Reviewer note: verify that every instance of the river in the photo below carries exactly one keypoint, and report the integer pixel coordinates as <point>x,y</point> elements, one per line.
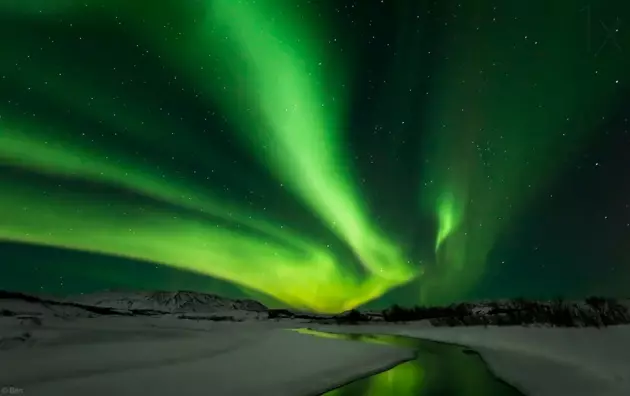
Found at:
<point>439,369</point>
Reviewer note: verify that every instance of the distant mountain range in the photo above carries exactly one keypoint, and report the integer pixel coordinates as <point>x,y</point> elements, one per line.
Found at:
<point>166,301</point>
<point>593,311</point>
<point>122,304</point>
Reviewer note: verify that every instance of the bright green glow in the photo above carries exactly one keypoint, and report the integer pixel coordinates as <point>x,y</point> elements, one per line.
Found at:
<point>311,279</point>
<point>436,369</point>
<point>291,125</point>
<point>449,217</point>
<point>27,147</point>
<point>296,128</point>
<point>404,379</point>
<point>272,82</point>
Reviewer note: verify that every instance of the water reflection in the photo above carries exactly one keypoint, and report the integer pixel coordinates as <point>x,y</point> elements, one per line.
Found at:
<point>438,370</point>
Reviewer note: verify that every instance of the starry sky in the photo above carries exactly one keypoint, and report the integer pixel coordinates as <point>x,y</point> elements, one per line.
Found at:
<point>317,155</point>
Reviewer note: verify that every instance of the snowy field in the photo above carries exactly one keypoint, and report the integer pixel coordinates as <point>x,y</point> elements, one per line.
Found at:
<point>161,357</point>
<point>55,349</point>
<point>538,361</point>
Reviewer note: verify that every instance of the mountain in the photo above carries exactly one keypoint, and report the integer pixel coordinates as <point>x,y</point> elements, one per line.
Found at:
<point>167,301</point>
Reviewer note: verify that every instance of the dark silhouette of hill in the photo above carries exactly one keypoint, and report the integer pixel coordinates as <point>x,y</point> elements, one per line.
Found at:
<point>592,312</point>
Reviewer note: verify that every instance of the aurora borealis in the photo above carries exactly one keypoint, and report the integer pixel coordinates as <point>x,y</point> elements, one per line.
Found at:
<point>319,156</point>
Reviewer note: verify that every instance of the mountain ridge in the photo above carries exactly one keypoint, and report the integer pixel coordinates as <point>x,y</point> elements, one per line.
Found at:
<point>167,301</point>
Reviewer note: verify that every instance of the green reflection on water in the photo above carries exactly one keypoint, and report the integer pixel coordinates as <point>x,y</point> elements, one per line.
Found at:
<point>438,370</point>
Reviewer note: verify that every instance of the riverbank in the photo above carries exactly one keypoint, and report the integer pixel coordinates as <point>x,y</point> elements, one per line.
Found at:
<point>540,361</point>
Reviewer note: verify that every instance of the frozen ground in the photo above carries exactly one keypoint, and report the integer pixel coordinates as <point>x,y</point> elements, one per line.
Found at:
<point>47,348</point>
<point>105,356</point>
<point>539,361</point>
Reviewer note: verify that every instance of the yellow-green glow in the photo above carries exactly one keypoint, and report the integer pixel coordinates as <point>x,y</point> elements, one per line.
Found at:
<point>436,369</point>
<point>274,87</point>
<point>310,279</point>
<point>28,147</point>
<point>404,379</point>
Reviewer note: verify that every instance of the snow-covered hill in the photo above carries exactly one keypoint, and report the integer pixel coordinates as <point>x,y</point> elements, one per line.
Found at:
<point>13,304</point>
<point>171,302</point>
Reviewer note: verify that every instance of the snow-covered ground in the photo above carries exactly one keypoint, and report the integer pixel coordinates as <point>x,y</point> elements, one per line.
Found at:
<point>128,356</point>
<point>61,348</point>
<point>53,348</point>
<point>540,361</point>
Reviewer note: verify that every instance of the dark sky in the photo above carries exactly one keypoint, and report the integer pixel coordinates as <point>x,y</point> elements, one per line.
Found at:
<point>316,154</point>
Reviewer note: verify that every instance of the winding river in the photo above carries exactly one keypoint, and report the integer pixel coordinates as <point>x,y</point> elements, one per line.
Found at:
<point>438,370</point>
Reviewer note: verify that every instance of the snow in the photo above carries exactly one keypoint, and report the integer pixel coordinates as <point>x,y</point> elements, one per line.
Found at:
<point>540,361</point>
<point>59,348</point>
<point>127,356</point>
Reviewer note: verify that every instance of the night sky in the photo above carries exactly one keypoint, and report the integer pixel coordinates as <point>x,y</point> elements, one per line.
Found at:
<point>316,154</point>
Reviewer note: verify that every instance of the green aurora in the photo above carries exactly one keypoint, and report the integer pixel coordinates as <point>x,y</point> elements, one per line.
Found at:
<point>286,98</point>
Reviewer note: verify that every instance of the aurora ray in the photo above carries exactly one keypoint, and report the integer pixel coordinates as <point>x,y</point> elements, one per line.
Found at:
<point>245,260</point>
<point>308,134</point>
<point>304,142</point>
<point>493,151</point>
<point>315,175</point>
<point>252,50</point>
<point>310,279</point>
